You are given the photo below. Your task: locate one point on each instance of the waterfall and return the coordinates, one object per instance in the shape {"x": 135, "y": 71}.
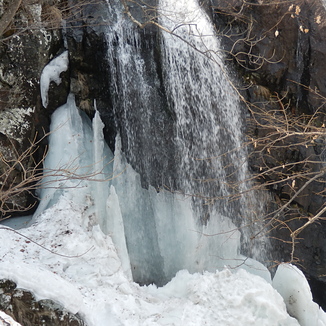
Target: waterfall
{"x": 180, "y": 146}
{"x": 208, "y": 118}
{"x": 209, "y": 122}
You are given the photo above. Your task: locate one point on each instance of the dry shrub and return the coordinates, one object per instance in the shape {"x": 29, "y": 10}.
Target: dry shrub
{"x": 51, "y": 16}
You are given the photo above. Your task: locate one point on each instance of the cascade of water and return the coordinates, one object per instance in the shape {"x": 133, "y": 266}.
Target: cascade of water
{"x": 208, "y": 119}
{"x": 181, "y": 126}
{"x": 209, "y": 123}
{"x": 142, "y": 115}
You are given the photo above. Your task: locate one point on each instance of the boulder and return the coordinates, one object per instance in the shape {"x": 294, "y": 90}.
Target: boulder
{"x": 23, "y": 307}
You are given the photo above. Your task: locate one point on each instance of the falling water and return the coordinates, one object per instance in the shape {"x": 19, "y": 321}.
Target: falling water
{"x": 208, "y": 118}
{"x": 209, "y": 122}
{"x": 180, "y": 127}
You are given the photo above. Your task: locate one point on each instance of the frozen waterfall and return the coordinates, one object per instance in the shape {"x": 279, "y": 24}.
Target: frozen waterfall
{"x": 161, "y": 207}
{"x": 167, "y": 196}
{"x": 181, "y": 147}
{"x": 162, "y": 203}
{"x": 161, "y": 225}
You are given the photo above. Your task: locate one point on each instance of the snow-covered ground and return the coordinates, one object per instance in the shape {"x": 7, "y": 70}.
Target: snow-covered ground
{"x": 6, "y": 320}
{"x": 89, "y": 279}
{"x": 82, "y": 271}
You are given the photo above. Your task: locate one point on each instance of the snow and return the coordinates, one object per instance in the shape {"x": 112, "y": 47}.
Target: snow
{"x": 290, "y": 282}
{"x": 51, "y": 73}
{"x": 70, "y": 256}
{"x": 15, "y": 122}
{"x": 89, "y": 279}
{"x": 6, "y": 320}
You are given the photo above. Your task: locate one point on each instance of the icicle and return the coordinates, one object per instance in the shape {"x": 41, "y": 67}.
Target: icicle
{"x": 100, "y": 187}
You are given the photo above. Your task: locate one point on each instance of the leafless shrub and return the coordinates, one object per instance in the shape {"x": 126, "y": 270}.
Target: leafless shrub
{"x": 51, "y": 17}
{"x": 20, "y": 178}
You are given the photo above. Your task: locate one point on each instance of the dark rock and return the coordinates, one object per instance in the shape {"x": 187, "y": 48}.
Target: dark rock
{"x": 279, "y": 51}
{"x": 22, "y": 306}
{"x": 89, "y": 70}
{"x": 26, "y": 47}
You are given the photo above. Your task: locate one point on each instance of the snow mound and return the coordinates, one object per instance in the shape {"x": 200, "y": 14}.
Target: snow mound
{"x": 221, "y": 298}
{"x": 85, "y": 275}
{"x": 290, "y": 282}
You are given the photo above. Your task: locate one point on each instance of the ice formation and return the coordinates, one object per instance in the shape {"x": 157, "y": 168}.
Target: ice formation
{"x": 290, "y": 282}
{"x": 94, "y": 266}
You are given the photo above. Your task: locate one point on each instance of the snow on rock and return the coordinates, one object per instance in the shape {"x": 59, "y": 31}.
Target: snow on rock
{"x": 290, "y": 282}
{"x": 43, "y": 284}
{"x": 6, "y": 320}
{"x": 15, "y": 122}
{"x": 79, "y": 256}
{"x": 51, "y": 73}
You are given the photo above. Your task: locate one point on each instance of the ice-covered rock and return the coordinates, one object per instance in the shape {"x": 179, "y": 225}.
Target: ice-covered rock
{"x": 293, "y": 286}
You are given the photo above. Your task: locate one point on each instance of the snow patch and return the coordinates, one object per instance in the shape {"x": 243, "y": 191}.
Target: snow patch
{"x": 43, "y": 284}
{"x": 36, "y": 11}
{"x": 6, "y": 320}
{"x": 15, "y": 122}
{"x": 51, "y": 73}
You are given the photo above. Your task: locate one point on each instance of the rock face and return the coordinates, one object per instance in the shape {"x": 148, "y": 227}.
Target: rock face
{"x": 278, "y": 50}
{"x": 25, "y": 309}
{"x": 27, "y": 44}
{"x": 89, "y": 77}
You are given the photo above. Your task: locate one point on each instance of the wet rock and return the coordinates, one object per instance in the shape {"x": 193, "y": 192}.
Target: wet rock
{"x": 89, "y": 78}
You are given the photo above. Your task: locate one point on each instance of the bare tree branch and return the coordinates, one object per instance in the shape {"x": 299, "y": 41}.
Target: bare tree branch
{"x": 8, "y": 15}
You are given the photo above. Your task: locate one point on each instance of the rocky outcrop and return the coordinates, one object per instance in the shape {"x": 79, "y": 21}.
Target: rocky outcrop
{"x": 89, "y": 78}
{"x": 23, "y": 307}
{"x": 27, "y": 44}
{"x": 280, "y": 46}
{"x": 279, "y": 50}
